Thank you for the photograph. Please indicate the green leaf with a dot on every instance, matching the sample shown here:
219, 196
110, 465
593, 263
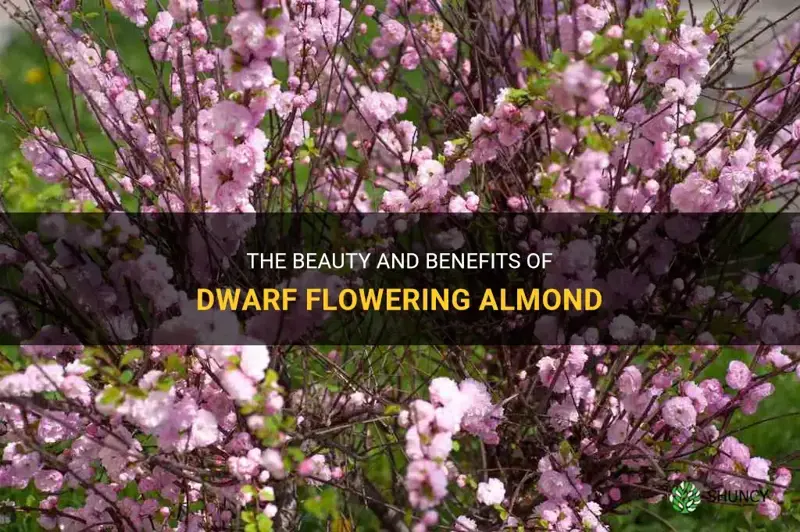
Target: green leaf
638, 28
601, 46
40, 117
654, 19
501, 512
565, 450
264, 523
560, 60
606, 119
599, 142
531, 60
392, 410
546, 185
295, 454
518, 97
130, 490
271, 378
164, 383
323, 506
111, 395
708, 21
175, 364
132, 356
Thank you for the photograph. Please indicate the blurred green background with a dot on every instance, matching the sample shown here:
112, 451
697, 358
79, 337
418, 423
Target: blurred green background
37, 89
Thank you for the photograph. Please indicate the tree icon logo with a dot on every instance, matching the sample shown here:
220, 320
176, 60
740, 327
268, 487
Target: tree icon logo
685, 497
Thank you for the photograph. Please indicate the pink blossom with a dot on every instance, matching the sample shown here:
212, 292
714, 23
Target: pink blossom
737, 451
694, 41
395, 201
182, 10
410, 59
272, 461
769, 509
739, 375
254, 361
755, 396
696, 394
465, 524
581, 83
248, 32
618, 432
393, 32
232, 119
444, 391
48, 480
683, 158
674, 89
783, 477
426, 483
481, 417
441, 444
623, 328
590, 18
238, 385
554, 485
133, 10
758, 468
679, 413
315, 467
162, 26
204, 430
377, 107
695, 194
430, 173
630, 381
243, 467
422, 414
491, 492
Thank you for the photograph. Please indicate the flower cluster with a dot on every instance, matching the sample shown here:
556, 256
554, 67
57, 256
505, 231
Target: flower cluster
431, 428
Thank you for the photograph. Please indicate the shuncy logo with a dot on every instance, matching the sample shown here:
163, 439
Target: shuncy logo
685, 497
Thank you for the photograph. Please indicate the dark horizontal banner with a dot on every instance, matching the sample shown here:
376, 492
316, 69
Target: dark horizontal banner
379, 279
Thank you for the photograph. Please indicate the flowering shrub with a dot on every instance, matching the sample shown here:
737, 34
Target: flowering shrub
403, 107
